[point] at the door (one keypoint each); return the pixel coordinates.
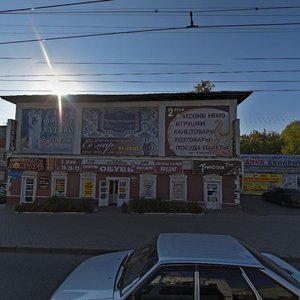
(123, 192)
(28, 190)
(212, 196)
(113, 192)
(103, 193)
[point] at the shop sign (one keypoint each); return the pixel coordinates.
(217, 167)
(267, 163)
(14, 174)
(138, 166)
(43, 182)
(70, 165)
(259, 183)
(168, 167)
(12, 130)
(19, 163)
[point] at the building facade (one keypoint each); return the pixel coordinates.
(113, 148)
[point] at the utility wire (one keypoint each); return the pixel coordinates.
(147, 30)
(150, 10)
(31, 9)
(154, 73)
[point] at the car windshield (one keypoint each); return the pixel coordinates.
(272, 266)
(139, 262)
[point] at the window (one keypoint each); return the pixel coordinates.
(139, 262)
(220, 283)
(174, 282)
(178, 187)
(59, 184)
(87, 185)
(267, 287)
(148, 186)
(59, 187)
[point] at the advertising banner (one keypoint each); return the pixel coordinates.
(46, 131)
(259, 183)
(197, 131)
(131, 131)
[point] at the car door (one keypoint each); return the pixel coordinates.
(224, 282)
(167, 283)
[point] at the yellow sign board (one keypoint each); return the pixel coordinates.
(258, 183)
(88, 188)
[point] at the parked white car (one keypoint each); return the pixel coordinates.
(185, 267)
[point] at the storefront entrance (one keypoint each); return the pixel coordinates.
(212, 193)
(114, 191)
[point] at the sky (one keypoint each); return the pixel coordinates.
(142, 46)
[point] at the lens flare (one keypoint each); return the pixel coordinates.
(55, 80)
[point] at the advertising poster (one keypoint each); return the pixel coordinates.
(44, 130)
(60, 187)
(88, 188)
(43, 182)
(258, 183)
(197, 131)
(129, 131)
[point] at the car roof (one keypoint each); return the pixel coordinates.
(203, 248)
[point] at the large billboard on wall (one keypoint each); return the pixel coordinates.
(45, 131)
(198, 131)
(131, 131)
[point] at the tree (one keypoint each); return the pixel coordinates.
(203, 86)
(290, 137)
(261, 143)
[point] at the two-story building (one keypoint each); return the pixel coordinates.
(113, 148)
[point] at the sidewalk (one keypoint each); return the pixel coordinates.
(110, 230)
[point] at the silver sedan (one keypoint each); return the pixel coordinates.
(183, 266)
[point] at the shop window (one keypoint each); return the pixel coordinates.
(88, 185)
(148, 186)
(59, 185)
(178, 188)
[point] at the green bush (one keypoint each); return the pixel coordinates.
(156, 205)
(57, 204)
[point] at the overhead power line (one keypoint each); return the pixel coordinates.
(28, 9)
(153, 73)
(148, 31)
(131, 63)
(144, 10)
